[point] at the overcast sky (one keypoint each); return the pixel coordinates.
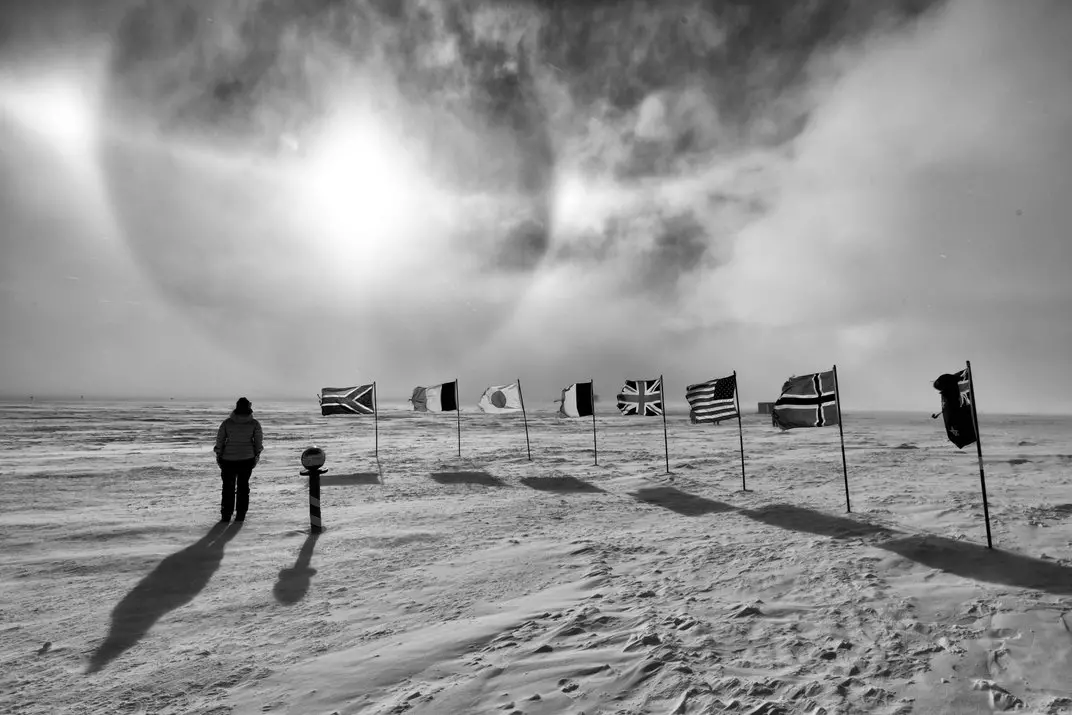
(265, 202)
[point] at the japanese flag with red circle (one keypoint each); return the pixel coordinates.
(501, 398)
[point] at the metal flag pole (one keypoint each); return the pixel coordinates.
(458, 411)
(841, 431)
(376, 418)
(521, 395)
(666, 441)
(595, 451)
(740, 430)
(979, 451)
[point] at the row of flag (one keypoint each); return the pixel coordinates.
(810, 400)
(806, 401)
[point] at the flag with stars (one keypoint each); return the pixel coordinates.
(501, 398)
(346, 400)
(641, 397)
(712, 401)
(807, 401)
(955, 389)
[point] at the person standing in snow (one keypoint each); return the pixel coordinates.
(238, 449)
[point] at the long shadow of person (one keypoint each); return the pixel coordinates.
(174, 582)
(293, 582)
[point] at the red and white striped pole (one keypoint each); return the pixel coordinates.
(313, 461)
(315, 525)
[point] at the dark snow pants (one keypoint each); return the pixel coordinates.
(235, 476)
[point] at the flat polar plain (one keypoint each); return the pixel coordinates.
(494, 584)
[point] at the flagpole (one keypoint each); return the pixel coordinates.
(740, 430)
(841, 431)
(458, 411)
(595, 450)
(666, 440)
(376, 418)
(521, 395)
(979, 450)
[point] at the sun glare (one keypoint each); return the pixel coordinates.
(365, 193)
(582, 204)
(57, 109)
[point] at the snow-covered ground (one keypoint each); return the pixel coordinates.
(489, 583)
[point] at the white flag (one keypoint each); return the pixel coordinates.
(501, 398)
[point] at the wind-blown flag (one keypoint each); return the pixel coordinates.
(501, 398)
(346, 400)
(577, 401)
(956, 407)
(435, 398)
(641, 397)
(807, 401)
(712, 401)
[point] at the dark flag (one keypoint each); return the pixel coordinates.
(807, 401)
(346, 400)
(712, 401)
(641, 397)
(956, 407)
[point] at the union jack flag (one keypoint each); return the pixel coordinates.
(346, 400)
(641, 397)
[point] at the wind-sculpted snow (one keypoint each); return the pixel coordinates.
(489, 583)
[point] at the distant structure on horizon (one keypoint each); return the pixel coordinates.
(766, 408)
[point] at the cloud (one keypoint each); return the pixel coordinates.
(920, 140)
(414, 188)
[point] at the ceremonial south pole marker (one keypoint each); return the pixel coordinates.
(313, 460)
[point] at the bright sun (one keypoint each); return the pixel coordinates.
(365, 192)
(56, 108)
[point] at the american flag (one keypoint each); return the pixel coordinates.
(346, 400)
(807, 401)
(713, 401)
(641, 397)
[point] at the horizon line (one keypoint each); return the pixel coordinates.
(67, 399)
